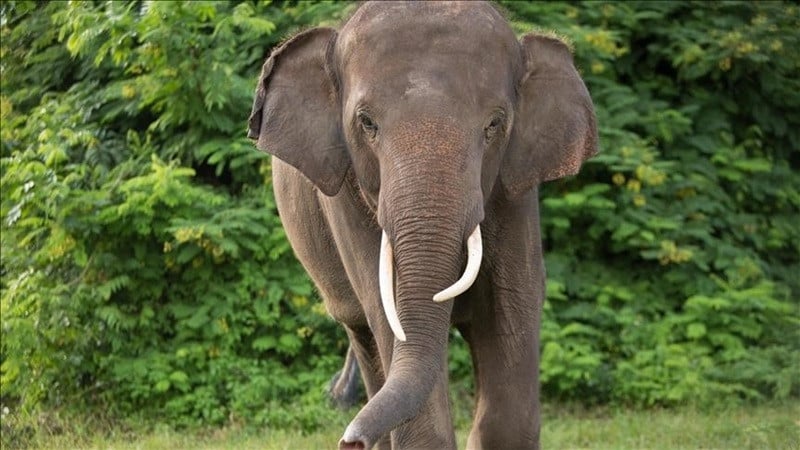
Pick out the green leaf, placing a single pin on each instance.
(265, 343)
(695, 330)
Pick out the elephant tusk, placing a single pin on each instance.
(474, 256)
(386, 281)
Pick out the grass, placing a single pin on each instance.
(763, 427)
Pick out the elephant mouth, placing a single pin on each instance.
(386, 278)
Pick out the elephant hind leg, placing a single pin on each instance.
(345, 387)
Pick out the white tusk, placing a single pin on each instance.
(474, 256)
(386, 281)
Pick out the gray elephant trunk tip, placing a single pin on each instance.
(353, 439)
(352, 446)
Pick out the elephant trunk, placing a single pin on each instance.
(424, 266)
(428, 243)
(430, 200)
(386, 278)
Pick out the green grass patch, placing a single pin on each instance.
(775, 426)
(743, 427)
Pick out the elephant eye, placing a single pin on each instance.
(367, 124)
(494, 126)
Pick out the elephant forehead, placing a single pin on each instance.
(470, 32)
(418, 84)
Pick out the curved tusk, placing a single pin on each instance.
(474, 256)
(386, 282)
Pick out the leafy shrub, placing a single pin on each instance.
(144, 266)
(672, 259)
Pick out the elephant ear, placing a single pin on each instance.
(295, 113)
(555, 128)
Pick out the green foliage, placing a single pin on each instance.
(144, 269)
(673, 259)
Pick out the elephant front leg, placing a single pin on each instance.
(503, 333)
(364, 348)
(507, 397)
(432, 428)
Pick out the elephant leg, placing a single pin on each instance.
(432, 428)
(507, 382)
(365, 350)
(503, 332)
(362, 345)
(345, 387)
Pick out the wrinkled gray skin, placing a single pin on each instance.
(425, 120)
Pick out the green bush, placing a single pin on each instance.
(144, 266)
(144, 269)
(673, 259)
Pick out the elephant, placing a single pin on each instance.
(408, 146)
(344, 388)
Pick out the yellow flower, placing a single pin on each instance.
(634, 185)
(657, 178)
(649, 175)
(305, 332)
(725, 64)
(5, 107)
(639, 200)
(128, 91)
(571, 12)
(745, 48)
(598, 67)
(188, 234)
(319, 308)
(732, 37)
(602, 41)
(759, 20)
(618, 179)
(217, 252)
(671, 253)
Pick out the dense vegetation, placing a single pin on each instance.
(145, 271)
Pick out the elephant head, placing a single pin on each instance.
(435, 109)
